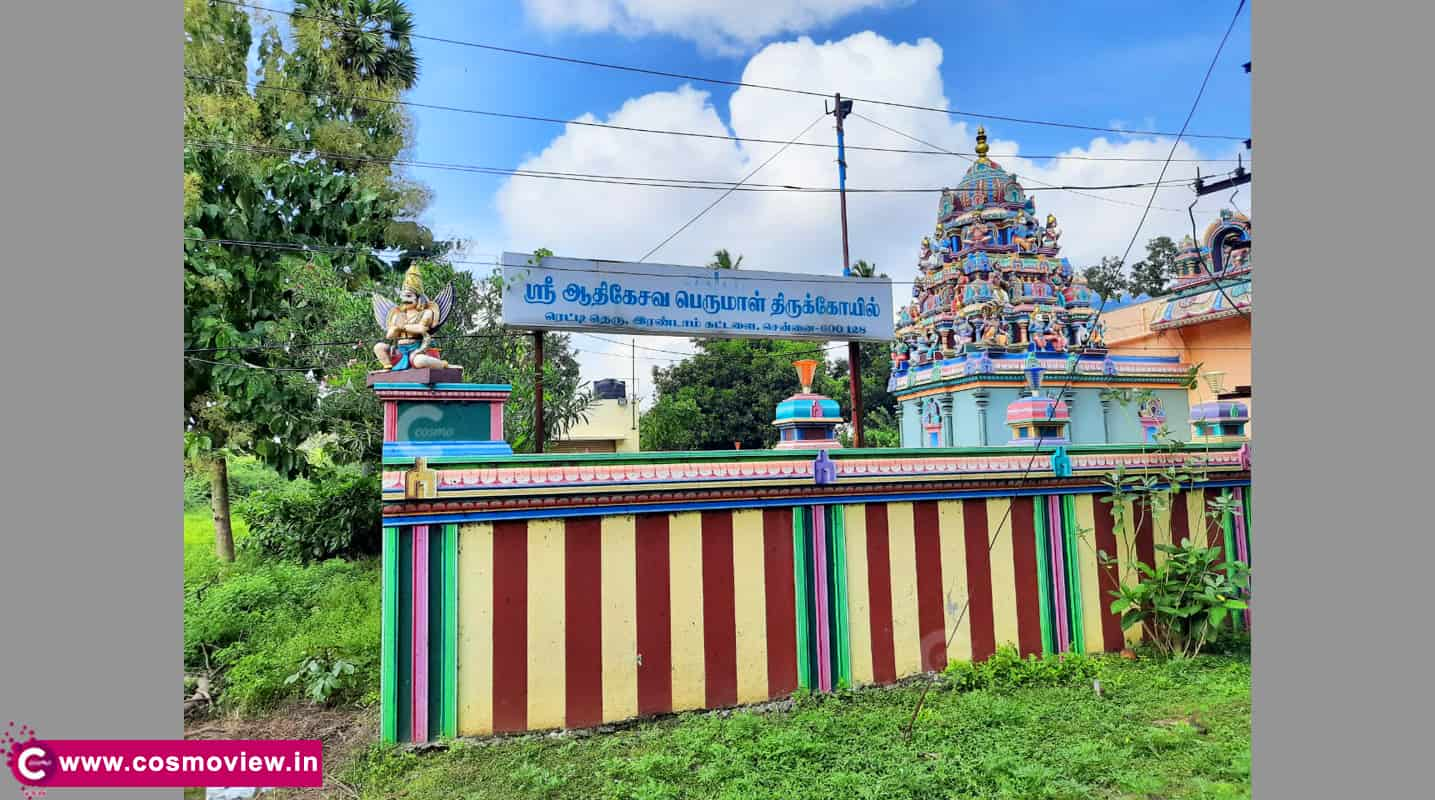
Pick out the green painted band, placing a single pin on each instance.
(389, 655)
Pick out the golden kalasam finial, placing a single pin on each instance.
(413, 281)
(981, 142)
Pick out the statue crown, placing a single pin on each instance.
(413, 281)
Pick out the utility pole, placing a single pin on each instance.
(538, 434)
(854, 349)
(634, 392)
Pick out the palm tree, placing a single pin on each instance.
(371, 38)
(722, 259)
(863, 269)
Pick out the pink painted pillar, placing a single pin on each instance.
(495, 421)
(420, 697)
(391, 421)
(1053, 514)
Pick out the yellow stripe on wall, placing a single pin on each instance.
(1093, 599)
(859, 603)
(620, 618)
(1161, 530)
(1196, 516)
(906, 627)
(547, 678)
(951, 524)
(685, 554)
(475, 629)
(749, 600)
(1003, 571)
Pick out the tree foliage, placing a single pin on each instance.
(1107, 278)
(1150, 275)
(242, 393)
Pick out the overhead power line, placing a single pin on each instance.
(631, 180)
(743, 84)
(257, 86)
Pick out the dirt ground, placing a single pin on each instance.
(346, 733)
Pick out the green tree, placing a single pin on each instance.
(722, 259)
(876, 371)
(728, 392)
(1107, 278)
(1150, 274)
(242, 393)
(864, 269)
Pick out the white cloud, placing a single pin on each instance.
(726, 26)
(800, 232)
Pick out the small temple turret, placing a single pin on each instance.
(807, 421)
(1220, 422)
(1037, 418)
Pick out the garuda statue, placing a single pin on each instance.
(410, 325)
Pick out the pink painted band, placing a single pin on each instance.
(420, 697)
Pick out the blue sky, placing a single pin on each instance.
(1119, 64)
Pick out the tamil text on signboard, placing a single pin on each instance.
(659, 299)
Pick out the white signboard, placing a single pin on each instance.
(663, 300)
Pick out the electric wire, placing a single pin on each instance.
(257, 86)
(724, 82)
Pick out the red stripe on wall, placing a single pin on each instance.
(1107, 574)
(655, 636)
(510, 626)
(931, 618)
(1145, 534)
(879, 590)
(1028, 591)
(979, 579)
(719, 614)
(1145, 543)
(781, 601)
(583, 621)
(1180, 525)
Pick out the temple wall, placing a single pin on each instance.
(574, 606)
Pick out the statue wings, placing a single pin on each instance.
(442, 305)
(444, 301)
(382, 308)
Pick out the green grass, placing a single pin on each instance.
(255, 621)
(1025, 743)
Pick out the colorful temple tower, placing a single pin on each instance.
(992, 292)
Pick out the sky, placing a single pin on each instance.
(1122, 65)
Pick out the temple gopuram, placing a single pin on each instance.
(994, 307)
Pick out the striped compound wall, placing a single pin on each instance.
(527, 624)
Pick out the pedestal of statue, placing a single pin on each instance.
(427, 375)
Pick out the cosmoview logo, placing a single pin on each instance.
(34, 763)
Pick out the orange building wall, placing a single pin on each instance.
(1222, 345)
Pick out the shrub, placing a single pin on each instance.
(336, 515)
(258, 627)
(246, 476)
(1184, 601)
(1006, 670)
